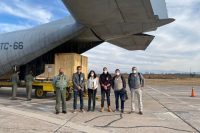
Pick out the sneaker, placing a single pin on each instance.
(102, 109)
(141, 113)
(82, 110)
(64, 112)
(109, 109)
(131, 112)
(13, 98)
(57, 112)
(74, 112)
(117, 110)
(28, 99)
(122, 111)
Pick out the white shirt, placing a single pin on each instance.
(93, 83)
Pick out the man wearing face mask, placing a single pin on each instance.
(136, 84)
(60, 83)
(105, 82)
(79, 84)
(119, 86)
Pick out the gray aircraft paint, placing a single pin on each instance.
(36, 41)
(105, 20)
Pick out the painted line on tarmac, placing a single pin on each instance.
(185, 121)
(30, 103)
(173, 115)
(177, 98)
(189, 97)
(82, 128)
(169, 96)
(159, 91)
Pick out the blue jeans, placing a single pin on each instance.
(103, 93)
(76, 94)
(92, 98)
(119, 94)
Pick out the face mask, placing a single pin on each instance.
(117, 73)
(61, 73)
(105, 72)
(134, 71)
(79, 71)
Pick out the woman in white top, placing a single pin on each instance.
(93, 83)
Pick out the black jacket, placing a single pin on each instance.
(105, 79)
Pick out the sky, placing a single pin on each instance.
(176, 47)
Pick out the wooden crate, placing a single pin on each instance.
(49, 72)
(69, 62)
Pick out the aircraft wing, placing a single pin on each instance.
(139, 42)
(97, 12)
(114, 19)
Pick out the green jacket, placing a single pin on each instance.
(60, 81)
(29, 79)
(15, 78)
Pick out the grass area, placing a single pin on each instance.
(185, 81)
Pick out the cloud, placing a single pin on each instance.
(24, 10)
(12, 27)
(22, 14)
(175, 48)
(178, 4)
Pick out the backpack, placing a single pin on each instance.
(140, 76)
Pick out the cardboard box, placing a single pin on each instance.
(67, 61)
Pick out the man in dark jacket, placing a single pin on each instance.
(105, 83)
(136, 84)
(79, 84)
(119, 86)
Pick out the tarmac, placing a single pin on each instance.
(167, 109)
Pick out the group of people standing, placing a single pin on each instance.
(29, 79)
(106, 82)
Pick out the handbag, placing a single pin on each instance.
(125, 95)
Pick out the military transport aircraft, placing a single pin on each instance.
(120, 22)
